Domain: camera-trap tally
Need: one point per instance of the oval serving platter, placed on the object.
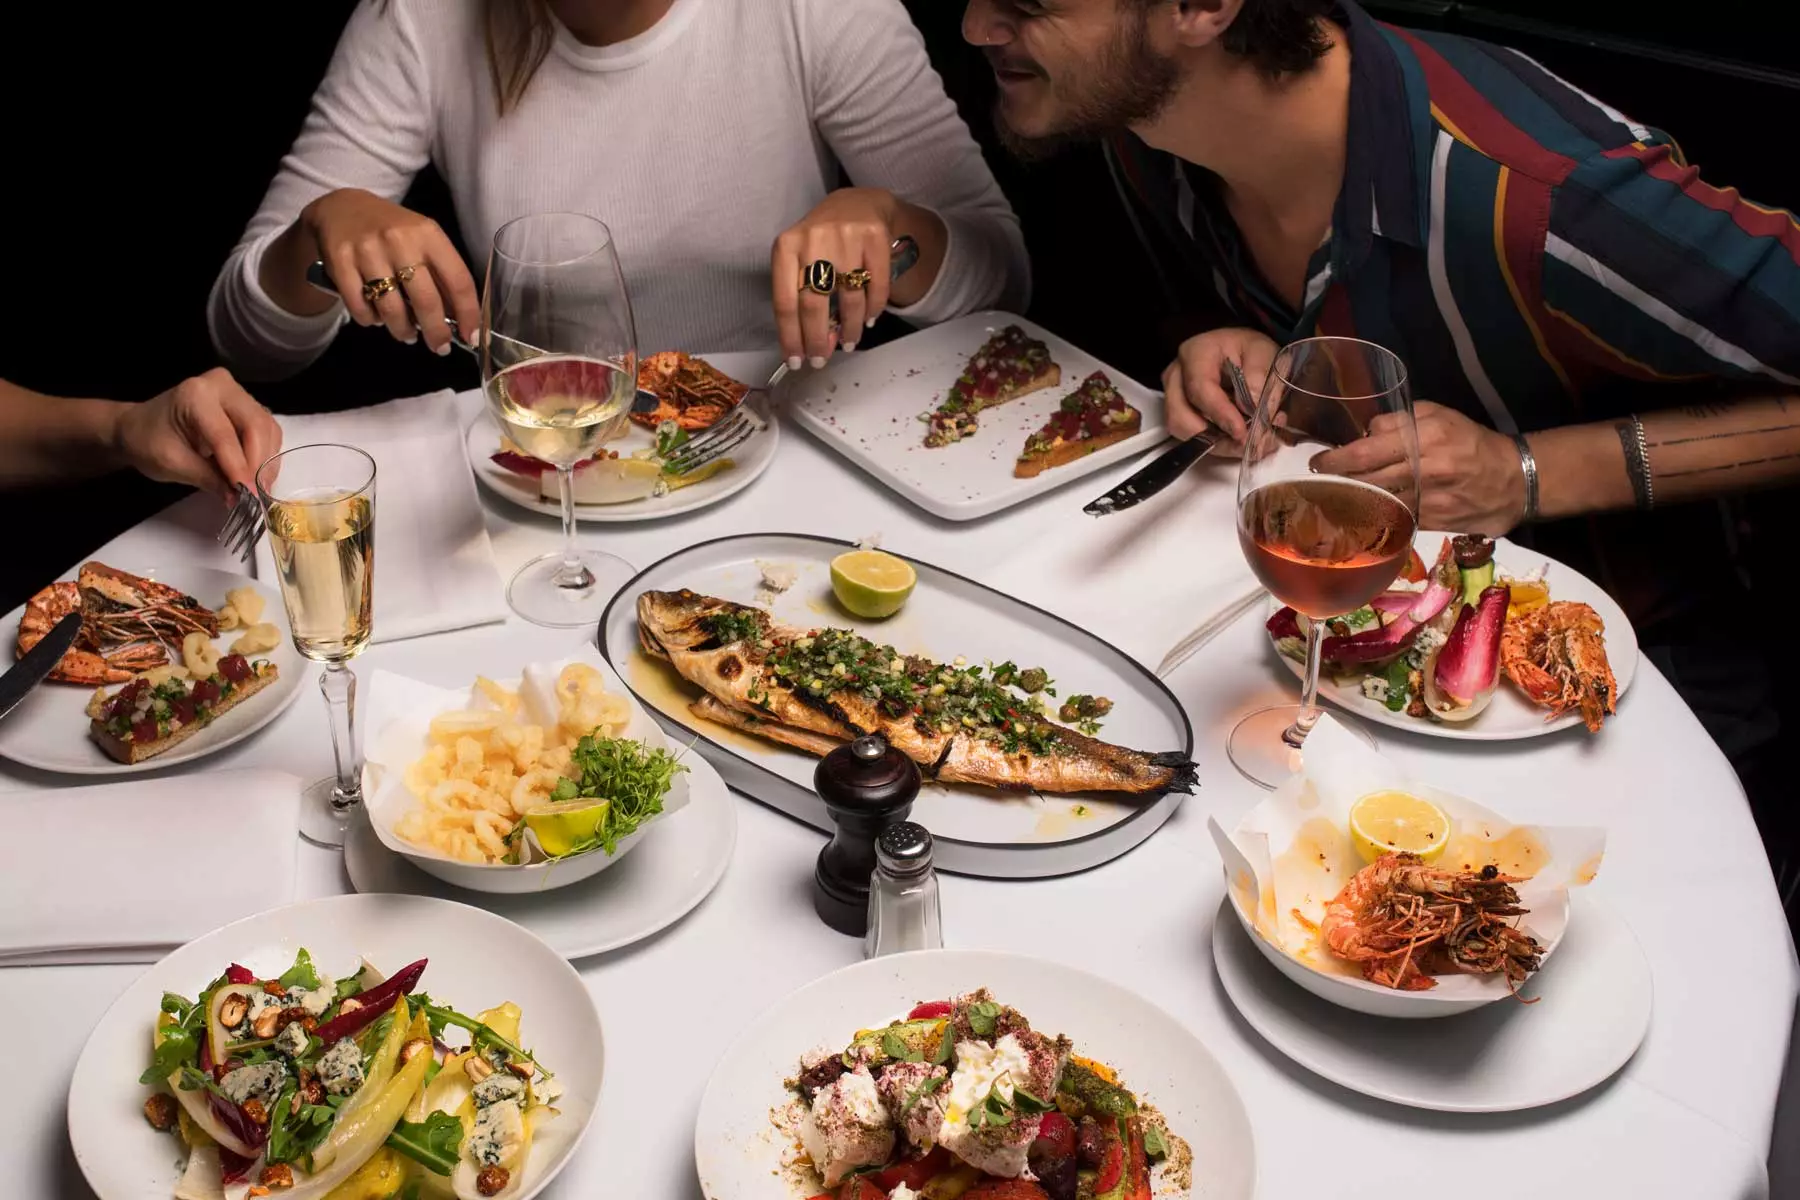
(979, 831)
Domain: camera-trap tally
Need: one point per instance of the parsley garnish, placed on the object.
(630, 776)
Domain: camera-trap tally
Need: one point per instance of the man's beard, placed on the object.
(1130, 84)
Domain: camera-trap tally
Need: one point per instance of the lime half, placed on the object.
(565, 824)
(872, 583)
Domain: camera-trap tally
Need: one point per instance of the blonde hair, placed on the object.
(518, 35)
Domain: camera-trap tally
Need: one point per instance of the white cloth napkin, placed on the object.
(1158, 581)
(126, 872)
(434, 564)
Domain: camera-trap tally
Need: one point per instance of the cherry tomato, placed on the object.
(234, 667)
(1112, 1164)
(914, 1172)
(1056, 1136)
(929, 1010)
(860, 1188)
(183, 709)
(145, 730)
(117, 707)
(205, 692)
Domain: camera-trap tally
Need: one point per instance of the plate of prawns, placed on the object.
(157, 631)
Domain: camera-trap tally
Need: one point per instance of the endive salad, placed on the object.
(363, 1088)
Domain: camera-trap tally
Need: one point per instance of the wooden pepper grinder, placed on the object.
(866, 786)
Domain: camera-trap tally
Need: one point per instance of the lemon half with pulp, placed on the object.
(872, 583)
(1398, 823)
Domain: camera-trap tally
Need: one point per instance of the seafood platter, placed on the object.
(169, 666)
(638, 475)
(913, 1078)
(1044, 749)
(1479, 639)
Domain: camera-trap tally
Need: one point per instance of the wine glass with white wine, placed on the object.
(559, 365)
(321, 509)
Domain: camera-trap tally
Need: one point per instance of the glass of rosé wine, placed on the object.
(1323, 544)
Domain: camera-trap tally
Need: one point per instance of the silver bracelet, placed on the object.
(1637, 462)
(1528, 464)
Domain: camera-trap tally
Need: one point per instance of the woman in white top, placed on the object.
(699, 130)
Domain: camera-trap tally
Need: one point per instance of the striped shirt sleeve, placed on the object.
(1663, 276)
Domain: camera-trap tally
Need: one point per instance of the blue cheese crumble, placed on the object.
(341, 1070)
(263, 1082)
(292, 1040)
(499, 1131)
(502, 1085)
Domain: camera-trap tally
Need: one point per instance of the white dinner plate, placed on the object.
(738, 1152)
(978, 831)
(477, 960)
(1590, 1012)
(866, 406)
(680, 862)
(49, 728)
(1510, 715)
(749, 460)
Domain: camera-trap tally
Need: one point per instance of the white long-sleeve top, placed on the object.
(697, 142)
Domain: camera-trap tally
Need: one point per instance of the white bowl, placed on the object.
(478, 960)
(388, 800)
(1453, 993)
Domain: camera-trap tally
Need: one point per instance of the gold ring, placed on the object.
(855, 280)
(375, 289)
(820, 278)
(405, 274)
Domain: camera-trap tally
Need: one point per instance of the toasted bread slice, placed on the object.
(135, 752)
(1068, 452)
(1091, 418)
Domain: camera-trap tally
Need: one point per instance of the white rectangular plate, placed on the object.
(978, 831)
(866, 406)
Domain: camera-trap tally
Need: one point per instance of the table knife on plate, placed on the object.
(38, 662)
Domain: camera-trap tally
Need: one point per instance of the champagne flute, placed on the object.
(321, 510)
(559, 365)
(1323, 544)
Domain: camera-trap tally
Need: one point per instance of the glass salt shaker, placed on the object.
(904, 913)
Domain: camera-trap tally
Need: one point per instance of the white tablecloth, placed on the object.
(1691, 1116)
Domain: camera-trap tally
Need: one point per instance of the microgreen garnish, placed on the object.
(984, 1017)
(925, 1088)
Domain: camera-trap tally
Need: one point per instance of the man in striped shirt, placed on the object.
(1545, 266)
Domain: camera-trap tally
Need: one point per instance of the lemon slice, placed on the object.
(872, 583)
(1398, 823)
(698, 474)
(562, 825)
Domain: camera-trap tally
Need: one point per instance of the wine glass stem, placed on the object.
(338, 684)
(574, 573)
(1295, 734)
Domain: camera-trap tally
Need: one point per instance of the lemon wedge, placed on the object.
(1398, 823)
(698, 474)
(564, 824)
(872, 583)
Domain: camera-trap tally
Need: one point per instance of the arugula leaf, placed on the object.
(301, 974)
(925, 1088)
(347, 988)
(670, 437)
(434, 1143)
(180, 1048)
(1154, 1145)
(1398, 681)
(627, 774)
(984, 1016)
(176, 1006)
(481, 1035)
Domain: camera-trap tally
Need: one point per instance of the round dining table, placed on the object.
(1694, 1114)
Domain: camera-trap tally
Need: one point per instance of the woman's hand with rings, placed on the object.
(384, 260)
(850, 233)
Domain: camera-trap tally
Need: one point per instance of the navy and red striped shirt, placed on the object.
(1527, 250)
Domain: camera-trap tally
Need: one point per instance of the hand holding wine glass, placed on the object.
(559, 365)
(1323, 543)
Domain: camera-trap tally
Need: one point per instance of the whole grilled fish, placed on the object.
(814, 690)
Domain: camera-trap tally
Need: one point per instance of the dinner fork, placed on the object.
(733, 431)
(244, 524)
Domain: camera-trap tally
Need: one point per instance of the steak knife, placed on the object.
(38, 662)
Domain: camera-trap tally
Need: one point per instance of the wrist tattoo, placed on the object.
(1637, 462)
